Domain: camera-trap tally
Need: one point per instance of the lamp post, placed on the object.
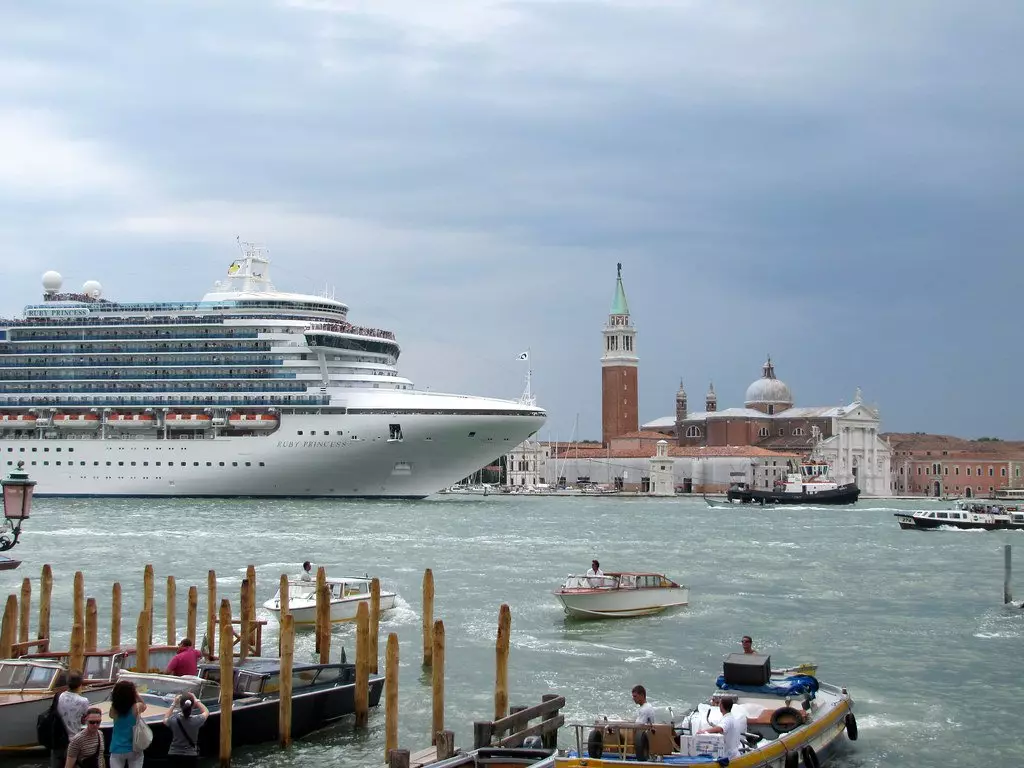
(17, 490)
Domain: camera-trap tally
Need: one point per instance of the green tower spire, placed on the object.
(619, 304)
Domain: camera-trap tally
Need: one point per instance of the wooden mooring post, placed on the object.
(226, 673)
(428, 617)
(284, 720)
(244, 632)
(437, 680)
(283, 611)
(115, 616)
(45, 595)
(91, 620)
(147, 599)
(362, 692)
(322, 614)
(211, 613)
(142, 632)
(193, 608)
(1007, 571)
(501, 648)
(391, 696)
(24, 608)
(9, 628)
(79, 599)
(374, 624)
(172, 619)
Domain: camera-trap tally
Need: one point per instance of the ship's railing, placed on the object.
(213, 314)
(129, 386)
(212, 375)
(127, 335)
(171, 362)
(218, 401)
(357, 330)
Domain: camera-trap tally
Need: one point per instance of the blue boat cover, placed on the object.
(797, 685)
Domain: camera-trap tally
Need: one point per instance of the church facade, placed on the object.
(845, 436)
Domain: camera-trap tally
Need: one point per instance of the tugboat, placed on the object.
(811, 485)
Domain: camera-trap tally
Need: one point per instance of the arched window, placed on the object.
(763, 432)
(693, 432)
(798, 432)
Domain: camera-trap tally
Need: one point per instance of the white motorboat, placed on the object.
(620, 595)
(346, 595)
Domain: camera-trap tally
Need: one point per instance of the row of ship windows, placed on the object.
(145, 463)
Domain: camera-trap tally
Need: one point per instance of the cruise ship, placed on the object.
(250, 391)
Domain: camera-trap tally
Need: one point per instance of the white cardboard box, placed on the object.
(709, 745)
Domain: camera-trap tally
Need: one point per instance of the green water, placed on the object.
(911, 622)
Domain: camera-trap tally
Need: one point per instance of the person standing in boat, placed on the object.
(646, 713)
(307, 571)
(186, 660)
(731, 727)
(748, 644)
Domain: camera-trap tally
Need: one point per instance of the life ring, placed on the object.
(792, 760)
(643, 746)
(595, 744)
(786, 719)
(851, 726)
(810, 758)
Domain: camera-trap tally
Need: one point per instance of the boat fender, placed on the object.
(723, 761)
(851, 726)
(643, 746)
(785, 719)
(810, 758)
(792, 760)
(595, 744)
(533, 742)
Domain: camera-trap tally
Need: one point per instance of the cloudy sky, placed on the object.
(838, 184)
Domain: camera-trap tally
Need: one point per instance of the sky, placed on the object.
(837, 184)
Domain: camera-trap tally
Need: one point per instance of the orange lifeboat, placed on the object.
(260, 421)
(187, 421)
(76, 421)
(132, 421)
(17, 421)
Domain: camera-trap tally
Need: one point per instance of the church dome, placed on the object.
(768, 390)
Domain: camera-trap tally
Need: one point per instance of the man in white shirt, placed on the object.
(307, 571)
(595, 569)
(646, 713)
(71, 707)
(731, 727)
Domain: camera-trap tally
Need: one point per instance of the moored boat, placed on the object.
(346, 595)
(321, 694)
(786, 721)
(620, 595)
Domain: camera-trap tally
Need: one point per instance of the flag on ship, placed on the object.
(235, 266)
(524, 356)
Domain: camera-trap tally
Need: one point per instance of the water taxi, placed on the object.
(346, 595)
(620, 595)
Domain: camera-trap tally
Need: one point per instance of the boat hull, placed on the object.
(621, 603)
(910, 522)
(341, 610)
(18, 719)
(845, 494)
(323, 454)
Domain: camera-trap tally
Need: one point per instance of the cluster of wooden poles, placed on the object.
(14, 641)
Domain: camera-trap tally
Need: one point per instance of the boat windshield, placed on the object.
(21, 676)
(167, 687)
(591, 582)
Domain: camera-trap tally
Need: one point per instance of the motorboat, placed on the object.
(346, 595)
(27, 688)
(968, 514)
(620, 595)
(321, 694)
(811, 483)
(791, 720)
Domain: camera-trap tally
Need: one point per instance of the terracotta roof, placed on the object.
(716, 451)
(642, 434)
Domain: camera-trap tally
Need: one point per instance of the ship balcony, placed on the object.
(7, 387)
(124, 334)
(162, 360)
(140, 376)
(146, 401)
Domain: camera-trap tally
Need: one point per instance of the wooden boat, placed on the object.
(346, 595)
(620, 595)
(27, 688)
(321, 694)
(790, 721)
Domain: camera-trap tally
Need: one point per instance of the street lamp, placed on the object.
(17, 505)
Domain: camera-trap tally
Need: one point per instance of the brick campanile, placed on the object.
(620, 411)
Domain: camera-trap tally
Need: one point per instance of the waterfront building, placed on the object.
(940, 465)
(525, 465)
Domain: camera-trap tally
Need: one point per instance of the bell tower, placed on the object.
(619, 363)
(711, 399)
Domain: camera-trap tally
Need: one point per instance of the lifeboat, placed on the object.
(17, 421)
(132, 421)
(261, 421)
(76, 420)
(187, 421)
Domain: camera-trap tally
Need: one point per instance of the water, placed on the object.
(911, 622)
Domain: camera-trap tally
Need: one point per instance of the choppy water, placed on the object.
(911, 622)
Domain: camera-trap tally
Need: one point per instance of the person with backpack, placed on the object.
(70, 709)
(184, 725)
(86, 748)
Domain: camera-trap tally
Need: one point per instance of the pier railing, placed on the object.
(513, 730)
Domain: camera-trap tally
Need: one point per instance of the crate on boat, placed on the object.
(747, 669)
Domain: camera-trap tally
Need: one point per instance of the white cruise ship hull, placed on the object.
(310, 454)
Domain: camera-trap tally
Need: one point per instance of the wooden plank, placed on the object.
(523, 717)
(423, 757)
(517, 738)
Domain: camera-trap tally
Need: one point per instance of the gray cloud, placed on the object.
(833, 183)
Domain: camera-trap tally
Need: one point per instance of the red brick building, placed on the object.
(940, 465)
